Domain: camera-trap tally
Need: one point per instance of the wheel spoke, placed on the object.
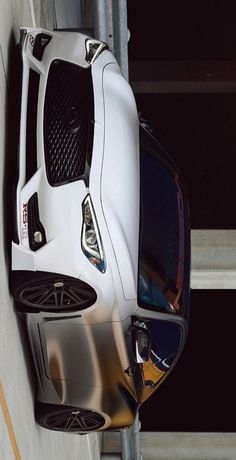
(80, 290)
(55, 294)
(72, 296)
(83, 424)
(79, 421)
(60, 420)
(90, 419)
(62, 297)
(29, 295)
(42, 300)
(69, 424)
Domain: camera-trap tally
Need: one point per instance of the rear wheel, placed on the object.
(52, 293)
(67, 418)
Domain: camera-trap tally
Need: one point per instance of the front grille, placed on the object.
(68, 122)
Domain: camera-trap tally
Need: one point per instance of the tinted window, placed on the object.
(165, 342)
(163, 231)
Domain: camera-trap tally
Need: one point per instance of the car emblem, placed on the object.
(74, 119)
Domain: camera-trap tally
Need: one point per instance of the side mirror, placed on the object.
(141, 345)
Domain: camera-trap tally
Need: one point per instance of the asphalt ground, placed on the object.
(20, 437)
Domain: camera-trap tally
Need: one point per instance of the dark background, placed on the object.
(199, 131)
(183, 30)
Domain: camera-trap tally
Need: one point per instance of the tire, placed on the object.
(67, 418)
(51, 292)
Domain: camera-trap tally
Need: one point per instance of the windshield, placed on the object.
(164, 231)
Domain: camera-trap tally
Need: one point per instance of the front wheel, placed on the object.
(51, 292)
(68, 419)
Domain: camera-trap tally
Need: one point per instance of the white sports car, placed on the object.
(100, 260)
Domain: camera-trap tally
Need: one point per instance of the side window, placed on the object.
(165, 339)
(165, 342)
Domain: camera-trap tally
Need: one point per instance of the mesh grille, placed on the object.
(68, 121)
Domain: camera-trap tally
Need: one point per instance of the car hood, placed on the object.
(120, 175)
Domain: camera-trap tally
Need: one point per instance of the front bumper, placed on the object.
(55, 149)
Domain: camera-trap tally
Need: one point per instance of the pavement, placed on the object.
(20, 437)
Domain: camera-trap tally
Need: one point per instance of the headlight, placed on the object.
(91, 240)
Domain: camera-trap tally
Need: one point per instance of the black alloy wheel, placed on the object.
(68, 419)
(53, 293)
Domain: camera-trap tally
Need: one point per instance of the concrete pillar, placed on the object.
(213, 259)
